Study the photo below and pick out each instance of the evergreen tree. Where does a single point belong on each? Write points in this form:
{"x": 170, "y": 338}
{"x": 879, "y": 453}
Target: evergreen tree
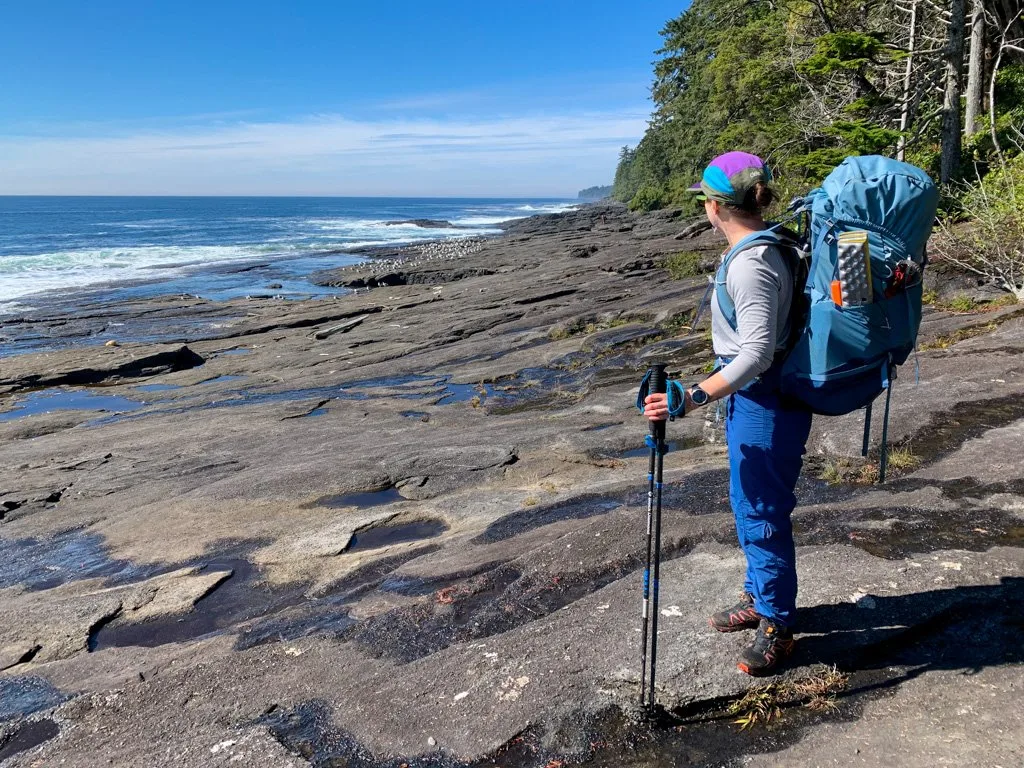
{"x": 804, "y": 83}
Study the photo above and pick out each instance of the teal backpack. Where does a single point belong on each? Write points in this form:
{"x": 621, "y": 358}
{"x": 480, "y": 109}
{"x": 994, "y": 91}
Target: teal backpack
{"x": 859, "y": 262}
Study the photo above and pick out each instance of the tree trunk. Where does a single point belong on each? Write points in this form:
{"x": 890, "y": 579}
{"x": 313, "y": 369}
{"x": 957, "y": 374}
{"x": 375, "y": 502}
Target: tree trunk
{"x": 951, "y": 138}
{"x": 1003, "y": 44}
{"x": 975, "y": 69}
{"x": 908, "y": 82}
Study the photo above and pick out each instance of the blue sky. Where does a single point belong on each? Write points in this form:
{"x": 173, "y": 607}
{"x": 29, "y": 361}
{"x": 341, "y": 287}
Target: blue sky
{"x": 384, "y": 98}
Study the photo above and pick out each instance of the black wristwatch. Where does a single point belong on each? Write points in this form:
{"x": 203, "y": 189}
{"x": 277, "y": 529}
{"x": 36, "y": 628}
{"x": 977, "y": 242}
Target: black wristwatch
{"x": 699, "y": 397}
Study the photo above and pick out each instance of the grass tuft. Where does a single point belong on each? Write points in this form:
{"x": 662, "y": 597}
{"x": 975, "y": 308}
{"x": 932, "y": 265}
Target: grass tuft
{"x": 760, "y": 704}
{"x": 1006, "y": 300}
{"x": 965, "y": 305}
{"x": 962, "y": 304}
{"x": 831, "y": 473}
{"x": 584, "y": 326}
{"x": 678, "y": 323}
{"x": 902, "y": 458}
{"x": 836, "y": 470}
{"x": 764, "y": 703}
{"x": 947, "y": 341}
{"x": 819, "y": 690}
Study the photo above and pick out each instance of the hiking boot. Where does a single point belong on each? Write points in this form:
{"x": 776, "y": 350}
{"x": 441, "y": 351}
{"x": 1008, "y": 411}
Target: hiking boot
{"x": 771, "y": 645}
{"x": 740, "y": 616}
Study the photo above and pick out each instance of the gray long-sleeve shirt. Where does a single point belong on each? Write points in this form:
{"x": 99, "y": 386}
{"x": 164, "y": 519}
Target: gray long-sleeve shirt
{"x": 761, "y": 288}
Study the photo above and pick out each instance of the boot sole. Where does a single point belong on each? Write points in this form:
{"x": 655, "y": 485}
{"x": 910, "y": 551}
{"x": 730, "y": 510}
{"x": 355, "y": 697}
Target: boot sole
{"x": 757, "y": 672}
{"x": 774, "y": 669}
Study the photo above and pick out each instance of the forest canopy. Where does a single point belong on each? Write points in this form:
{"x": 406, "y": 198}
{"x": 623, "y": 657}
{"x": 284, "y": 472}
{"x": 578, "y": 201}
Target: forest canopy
{"x": 805, "y": 83}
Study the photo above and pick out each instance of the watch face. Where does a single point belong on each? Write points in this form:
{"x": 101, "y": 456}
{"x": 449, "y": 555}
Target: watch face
{"x": 699, "y": 396}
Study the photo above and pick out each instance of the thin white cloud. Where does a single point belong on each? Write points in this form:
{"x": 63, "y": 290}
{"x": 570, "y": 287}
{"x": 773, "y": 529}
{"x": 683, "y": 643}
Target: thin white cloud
{"x": 330, "y": 154}
{"x": 575, "y": 92}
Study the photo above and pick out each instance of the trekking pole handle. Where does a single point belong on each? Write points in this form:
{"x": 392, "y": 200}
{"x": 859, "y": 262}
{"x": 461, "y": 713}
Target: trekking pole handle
{"x": 658, "y": 386}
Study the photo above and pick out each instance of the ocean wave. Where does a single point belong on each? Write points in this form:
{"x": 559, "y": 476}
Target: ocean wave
{"x": 395, "y": 232}
{"x": 177, "y": 243}
{"x": 168, "y": 223}
{"x": 552, "y": 208}
{"x": 66, "y": 270}
{"x": 486, "y": 221}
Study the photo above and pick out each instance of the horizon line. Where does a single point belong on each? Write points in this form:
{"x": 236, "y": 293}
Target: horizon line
{"x": 309, "y": 196}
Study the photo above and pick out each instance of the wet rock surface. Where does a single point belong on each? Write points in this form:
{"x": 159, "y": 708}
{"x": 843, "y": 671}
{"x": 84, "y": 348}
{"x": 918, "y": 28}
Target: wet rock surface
{"x": 405, "y": 526}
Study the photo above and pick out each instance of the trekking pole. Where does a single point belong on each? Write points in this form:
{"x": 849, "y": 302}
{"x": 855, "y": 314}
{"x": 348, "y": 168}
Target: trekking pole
{"x": 660, "y": 448}
{"x": 656, "y": 383}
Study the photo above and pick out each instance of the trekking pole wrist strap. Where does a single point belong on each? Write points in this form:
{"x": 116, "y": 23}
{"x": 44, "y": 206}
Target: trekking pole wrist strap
{"x": 675, "y": 394}
{"x": 645, "y": 390}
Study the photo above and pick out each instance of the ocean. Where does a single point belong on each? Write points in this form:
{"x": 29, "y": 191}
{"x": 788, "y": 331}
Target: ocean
{"x": 65, "y": 249}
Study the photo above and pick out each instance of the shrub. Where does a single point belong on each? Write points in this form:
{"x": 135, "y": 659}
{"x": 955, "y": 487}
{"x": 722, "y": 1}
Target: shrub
{"x": 987, "y": 238}
{"x": 647, "y": 198}
{"x": 683, "y": 264}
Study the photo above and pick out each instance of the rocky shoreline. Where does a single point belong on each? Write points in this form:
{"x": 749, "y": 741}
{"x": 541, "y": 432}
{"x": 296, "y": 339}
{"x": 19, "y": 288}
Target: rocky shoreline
{"x": 404, "y": 526}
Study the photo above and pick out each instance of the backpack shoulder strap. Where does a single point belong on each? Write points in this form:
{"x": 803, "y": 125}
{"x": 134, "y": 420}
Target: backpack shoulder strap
{"x": 753, "y": 240}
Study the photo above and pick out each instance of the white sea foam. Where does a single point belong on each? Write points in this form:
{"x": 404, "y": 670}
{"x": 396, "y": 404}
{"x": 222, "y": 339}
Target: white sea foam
{"x": 551, "y": 208}
{"x": 486, "y": 221}
{"x": 517, "y": 212}
{"x": 64, "y": 270}
{"x": 86, "y": 262}
{"x": 170, "y": 223}
{"x": 398, "y": 233}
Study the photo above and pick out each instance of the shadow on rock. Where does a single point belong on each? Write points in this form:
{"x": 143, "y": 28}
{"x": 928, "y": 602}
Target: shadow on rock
{"x": 26, "y": 735}
{"x": 243, "y": 596}
{"x": 611, "y": 738}
{"x": 489, "y": 604}
{"x": 326, "y": 615}
{"x": 308, "y": 730}
{"x": 528, "y": 519}
{"x": 964, "y": 628}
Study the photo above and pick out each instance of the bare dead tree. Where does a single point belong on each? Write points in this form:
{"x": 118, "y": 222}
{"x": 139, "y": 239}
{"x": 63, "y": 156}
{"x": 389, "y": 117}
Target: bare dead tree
{"x": 975, "y": 69}
{"x": 990, "y": 243}
{"x": 908, "y": 81}
{"x": 1006, "y": 43}
{"x": 952, "y": 142}
{"x": 1007, "y": 14}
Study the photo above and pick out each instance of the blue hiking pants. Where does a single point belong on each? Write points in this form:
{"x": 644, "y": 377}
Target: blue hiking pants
{"x": 766, "y": 442}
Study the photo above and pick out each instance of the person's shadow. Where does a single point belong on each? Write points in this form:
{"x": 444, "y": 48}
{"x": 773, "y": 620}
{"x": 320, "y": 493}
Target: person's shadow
{"x": 962, "y": 628}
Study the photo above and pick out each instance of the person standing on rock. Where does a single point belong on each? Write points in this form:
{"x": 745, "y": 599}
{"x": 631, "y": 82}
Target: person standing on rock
{"x": 766, "y": 439}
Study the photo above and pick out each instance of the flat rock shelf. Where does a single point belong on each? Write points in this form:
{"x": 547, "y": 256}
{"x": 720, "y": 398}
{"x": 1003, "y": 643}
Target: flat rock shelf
{"x": 403, "y": 525}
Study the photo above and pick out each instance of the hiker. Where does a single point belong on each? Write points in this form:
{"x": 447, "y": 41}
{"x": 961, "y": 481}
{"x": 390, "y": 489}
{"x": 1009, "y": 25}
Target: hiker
{"x": 766, "y": 439}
